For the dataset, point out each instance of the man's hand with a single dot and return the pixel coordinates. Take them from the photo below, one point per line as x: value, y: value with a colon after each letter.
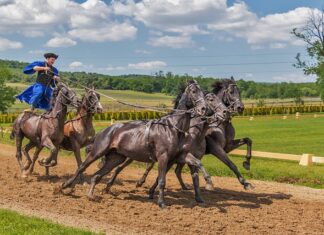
x: 57, y: 79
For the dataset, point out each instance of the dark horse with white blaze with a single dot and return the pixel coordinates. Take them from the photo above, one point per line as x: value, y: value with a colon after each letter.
x: 43, y: 130
x: 220, y: 139
x: 158, y: 140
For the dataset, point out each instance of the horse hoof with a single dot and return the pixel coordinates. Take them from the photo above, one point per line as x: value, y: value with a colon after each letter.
x: 93, y: 198
x: 248, y: 186
x: 199, y: 200
x: 209, y: 187
x: 246, y: 165
x: 139, y: 184
x: 162, y: 205
x: 150, y: 196
x: 185, y: 187
x: 24, y: 175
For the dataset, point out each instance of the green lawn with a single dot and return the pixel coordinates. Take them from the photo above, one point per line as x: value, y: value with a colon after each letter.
x: 273, y: 134
x: 14, y: 223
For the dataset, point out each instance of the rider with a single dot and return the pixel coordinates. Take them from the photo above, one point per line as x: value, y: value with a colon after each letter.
x: 40, y: 93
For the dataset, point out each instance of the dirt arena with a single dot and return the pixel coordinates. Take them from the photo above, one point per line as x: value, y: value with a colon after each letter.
x: 270, y: 208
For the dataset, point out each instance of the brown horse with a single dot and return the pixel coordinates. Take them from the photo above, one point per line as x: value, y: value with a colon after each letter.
x: 157, y: 140
x: 43, y: 131
x: 79, y: 131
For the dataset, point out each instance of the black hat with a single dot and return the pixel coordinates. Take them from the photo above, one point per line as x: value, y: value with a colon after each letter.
x: 50, y: 55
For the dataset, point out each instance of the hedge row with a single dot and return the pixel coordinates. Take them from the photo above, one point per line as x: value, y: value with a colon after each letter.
x: 140, y: 115
x: 251, y: 111
x: 106, y: 116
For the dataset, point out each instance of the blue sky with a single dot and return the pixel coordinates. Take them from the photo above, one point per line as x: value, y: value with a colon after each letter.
x: 247, y: 39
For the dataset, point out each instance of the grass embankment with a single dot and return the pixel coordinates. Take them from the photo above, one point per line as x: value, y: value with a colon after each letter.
x: 14, y: 223
x: 272, y: 134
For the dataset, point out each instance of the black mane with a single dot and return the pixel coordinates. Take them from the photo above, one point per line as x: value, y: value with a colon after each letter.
x: 220, y: 84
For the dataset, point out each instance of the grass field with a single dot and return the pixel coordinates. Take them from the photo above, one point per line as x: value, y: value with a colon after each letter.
x: 272, y: 134
x: 14, y: 223
x: 146, y: 99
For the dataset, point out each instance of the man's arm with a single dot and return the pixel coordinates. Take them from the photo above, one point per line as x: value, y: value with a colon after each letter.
x: 41, y: 68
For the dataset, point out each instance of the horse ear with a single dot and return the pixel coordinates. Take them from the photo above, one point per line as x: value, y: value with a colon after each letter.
x: 93, y: 87
x: 86, y: 89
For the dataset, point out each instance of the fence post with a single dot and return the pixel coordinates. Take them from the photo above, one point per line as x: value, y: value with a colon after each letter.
x: 306, y: 159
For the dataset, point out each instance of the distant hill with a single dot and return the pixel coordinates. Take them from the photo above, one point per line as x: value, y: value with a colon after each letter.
x: 168, y: 83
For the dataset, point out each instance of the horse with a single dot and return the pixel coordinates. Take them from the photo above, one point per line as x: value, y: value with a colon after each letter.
x: 79, y: 131
x: 218, y: 113
x: 156, y: 140
x: 44, y: 130
x: 220, y: 139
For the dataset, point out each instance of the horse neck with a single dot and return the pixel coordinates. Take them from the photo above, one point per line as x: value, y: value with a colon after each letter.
x: 85, y: 117
x: 59, y: 112
x: 198, y: 127
x: 181, y: 121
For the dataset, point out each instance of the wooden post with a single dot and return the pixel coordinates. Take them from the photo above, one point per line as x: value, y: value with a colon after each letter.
x: 306, y: 160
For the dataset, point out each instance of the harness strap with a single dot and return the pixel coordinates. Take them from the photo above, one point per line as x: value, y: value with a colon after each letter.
x: 147, y: 139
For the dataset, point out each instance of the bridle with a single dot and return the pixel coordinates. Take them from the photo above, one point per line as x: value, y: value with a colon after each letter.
x: 228, y: 101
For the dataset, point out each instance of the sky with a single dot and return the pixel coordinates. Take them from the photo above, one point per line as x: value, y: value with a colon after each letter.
x: 249, y: 39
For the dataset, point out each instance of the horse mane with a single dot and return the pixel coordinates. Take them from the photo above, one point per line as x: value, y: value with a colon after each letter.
x: 220, y: 84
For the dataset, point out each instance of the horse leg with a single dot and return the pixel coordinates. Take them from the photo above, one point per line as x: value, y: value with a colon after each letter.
x: 178, y: 171
x: 92, y: 156
x: 193, y: 161
x: 25, y: 151
x: 116, y: 173
x: 195, y: 181
x: 142, y: 180
x: 35, y: 156
x: 163, y: 164
x: 219, y: 152
x: 52, y: 159
x: 234, y: 144
x: 112, y: 160
x: 77, y: 154
x: 153, y: 187
x: 19, y: 139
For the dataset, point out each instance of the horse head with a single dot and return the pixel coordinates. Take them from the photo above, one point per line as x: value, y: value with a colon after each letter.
x: 216, y: 108
x: 193, y: 98
x: 65, y: 95
x: 91, y: 101
x: 229, y: 93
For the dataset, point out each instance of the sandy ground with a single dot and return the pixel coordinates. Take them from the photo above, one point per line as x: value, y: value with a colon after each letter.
x: 270, y: 208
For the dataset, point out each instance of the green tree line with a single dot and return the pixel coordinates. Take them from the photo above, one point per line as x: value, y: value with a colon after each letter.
x: 168, y: 83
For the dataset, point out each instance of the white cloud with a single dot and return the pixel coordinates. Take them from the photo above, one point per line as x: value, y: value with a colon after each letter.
x: 6, y: 44
x: 171, y: 41
x: 36, y: 18
x: 36, y: 52
x: 61, y: 42
x: 111, y: 32
x: 144, y: 52
x: 294, y: 77
x: 76, y: 64
x: 147, y: 65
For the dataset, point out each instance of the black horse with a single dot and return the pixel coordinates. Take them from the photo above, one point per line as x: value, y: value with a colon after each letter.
x: 158, y: 140
x: 217, y: 113
x: 220, y: 139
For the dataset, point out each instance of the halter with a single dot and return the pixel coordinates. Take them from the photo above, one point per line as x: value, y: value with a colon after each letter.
x: 228, y: 100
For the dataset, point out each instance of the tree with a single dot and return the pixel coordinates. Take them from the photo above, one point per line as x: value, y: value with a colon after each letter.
x: 6, y: 93
x: 312, y: 33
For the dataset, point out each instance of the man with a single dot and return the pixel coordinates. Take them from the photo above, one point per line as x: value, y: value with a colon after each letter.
x: 40, y: 93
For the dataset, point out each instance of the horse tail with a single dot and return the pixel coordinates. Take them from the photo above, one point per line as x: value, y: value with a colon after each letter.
x: 12, y: 135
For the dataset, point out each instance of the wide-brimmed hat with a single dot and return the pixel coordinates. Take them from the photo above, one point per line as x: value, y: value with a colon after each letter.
x: 50, y: 55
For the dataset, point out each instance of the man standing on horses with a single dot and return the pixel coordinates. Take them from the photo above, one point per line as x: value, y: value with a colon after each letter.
x: 40, y: 93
